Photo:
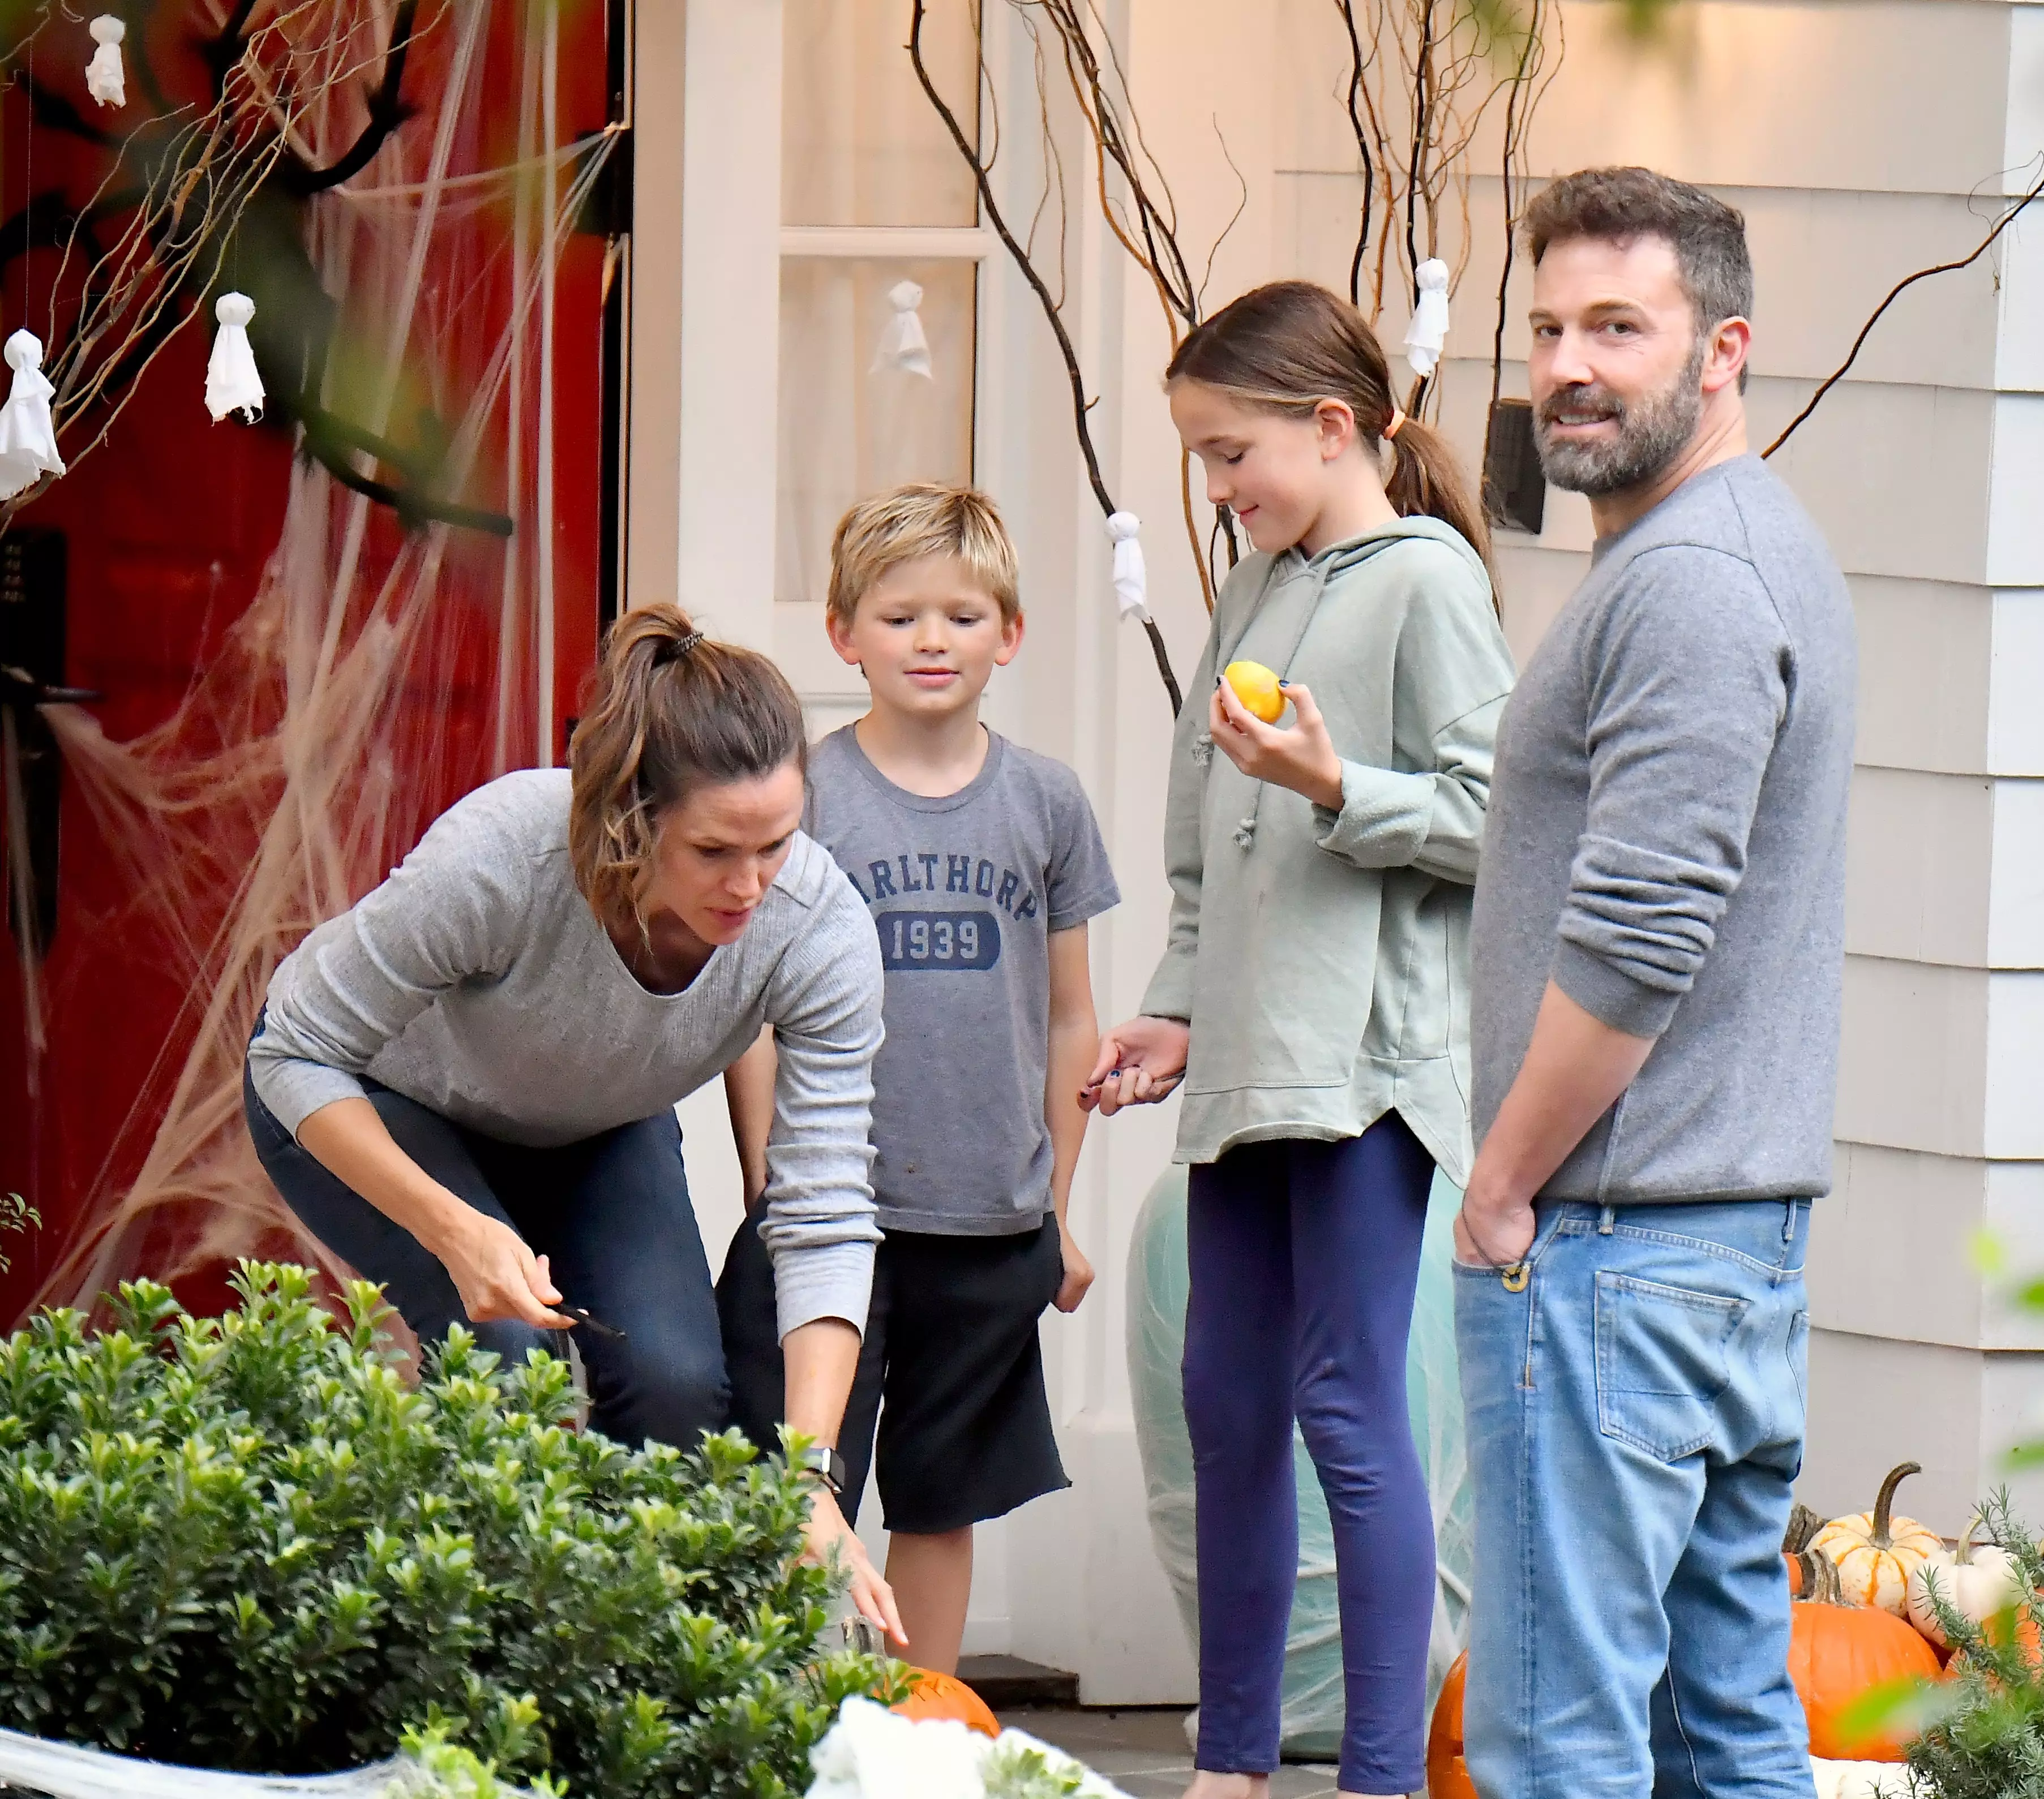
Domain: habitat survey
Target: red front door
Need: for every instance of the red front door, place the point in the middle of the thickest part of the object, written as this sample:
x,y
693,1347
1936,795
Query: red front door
x,y
309,634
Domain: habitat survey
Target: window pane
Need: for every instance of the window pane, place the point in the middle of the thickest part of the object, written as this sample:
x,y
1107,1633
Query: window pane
x,y
848,429
860,143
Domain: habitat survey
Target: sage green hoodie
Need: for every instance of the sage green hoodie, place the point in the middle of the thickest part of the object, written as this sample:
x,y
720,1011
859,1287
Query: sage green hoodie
x,y
1321,958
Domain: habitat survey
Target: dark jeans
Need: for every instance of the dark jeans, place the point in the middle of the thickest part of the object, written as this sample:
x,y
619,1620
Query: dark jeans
x,y
612,1213
1305,1259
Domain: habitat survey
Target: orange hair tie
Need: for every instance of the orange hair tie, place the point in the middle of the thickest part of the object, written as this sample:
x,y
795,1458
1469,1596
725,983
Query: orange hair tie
x,y
1397,420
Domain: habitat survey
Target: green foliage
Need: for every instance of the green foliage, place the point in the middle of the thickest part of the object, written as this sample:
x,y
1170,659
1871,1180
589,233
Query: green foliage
x,y
247,1543
1015,1772
17,1215
1982,1735
448,1771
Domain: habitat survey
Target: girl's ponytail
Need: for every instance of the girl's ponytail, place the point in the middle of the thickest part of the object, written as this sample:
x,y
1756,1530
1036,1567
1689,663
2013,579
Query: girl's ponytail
x,y
1292,344
667,710
1427,479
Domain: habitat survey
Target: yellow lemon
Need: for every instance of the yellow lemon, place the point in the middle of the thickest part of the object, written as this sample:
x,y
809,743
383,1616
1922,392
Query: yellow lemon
x,y
1256,687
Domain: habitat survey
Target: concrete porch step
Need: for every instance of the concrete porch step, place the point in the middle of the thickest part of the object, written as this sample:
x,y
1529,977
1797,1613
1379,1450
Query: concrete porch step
x,y
1006,1682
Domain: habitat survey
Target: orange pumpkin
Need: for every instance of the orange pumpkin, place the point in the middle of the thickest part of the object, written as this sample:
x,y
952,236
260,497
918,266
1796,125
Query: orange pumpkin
x,y
1839,1654
1996,1631
1447,1774
946,1695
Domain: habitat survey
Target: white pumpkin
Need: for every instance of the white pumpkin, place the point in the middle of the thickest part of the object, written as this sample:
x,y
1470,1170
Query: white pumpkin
x,y
1978,1581
1861,1779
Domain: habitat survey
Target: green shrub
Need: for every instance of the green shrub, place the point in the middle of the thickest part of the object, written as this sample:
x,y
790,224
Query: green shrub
x,y
445,1770
247,1543
1983,1734
17,1215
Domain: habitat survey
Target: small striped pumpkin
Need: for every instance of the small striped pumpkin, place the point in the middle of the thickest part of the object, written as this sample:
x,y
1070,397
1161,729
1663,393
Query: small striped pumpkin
x,y
1876,1552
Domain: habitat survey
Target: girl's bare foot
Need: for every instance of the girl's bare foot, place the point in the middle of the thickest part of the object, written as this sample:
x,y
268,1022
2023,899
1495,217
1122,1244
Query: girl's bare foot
x,y
1229,1787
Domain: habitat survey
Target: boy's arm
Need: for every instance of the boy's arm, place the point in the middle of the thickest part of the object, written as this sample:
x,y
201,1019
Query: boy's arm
x,y
748,1091
1074,1042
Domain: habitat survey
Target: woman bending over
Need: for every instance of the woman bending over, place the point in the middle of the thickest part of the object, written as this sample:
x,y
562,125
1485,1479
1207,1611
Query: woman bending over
x,y
464,1086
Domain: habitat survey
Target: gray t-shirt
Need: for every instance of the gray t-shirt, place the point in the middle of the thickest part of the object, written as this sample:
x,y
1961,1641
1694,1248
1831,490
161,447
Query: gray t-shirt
x,y
965,891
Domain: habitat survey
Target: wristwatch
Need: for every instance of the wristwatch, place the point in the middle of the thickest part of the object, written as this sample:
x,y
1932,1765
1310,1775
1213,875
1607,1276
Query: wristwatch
x,y
827,1465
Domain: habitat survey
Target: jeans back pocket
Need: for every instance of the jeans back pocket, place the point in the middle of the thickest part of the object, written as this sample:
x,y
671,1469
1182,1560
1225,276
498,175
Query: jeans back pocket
x,y
1662,1363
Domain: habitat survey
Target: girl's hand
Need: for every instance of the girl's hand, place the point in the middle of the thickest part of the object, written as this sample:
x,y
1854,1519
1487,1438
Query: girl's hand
x,y
827,1532
496,1273
1302,758
1139,1063
1078,1272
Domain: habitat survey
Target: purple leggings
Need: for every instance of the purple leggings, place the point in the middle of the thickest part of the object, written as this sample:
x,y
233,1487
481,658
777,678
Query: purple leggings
x,y
1305,1258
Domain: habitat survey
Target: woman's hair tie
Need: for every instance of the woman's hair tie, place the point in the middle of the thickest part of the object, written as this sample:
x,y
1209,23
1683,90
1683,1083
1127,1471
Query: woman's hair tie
x,y
675,648
1391,430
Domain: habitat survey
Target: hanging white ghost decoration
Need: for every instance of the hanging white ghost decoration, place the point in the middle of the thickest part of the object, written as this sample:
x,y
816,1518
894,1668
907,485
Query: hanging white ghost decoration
x,y
1428,332
232,383
1131,579
903,345
28,439
106,80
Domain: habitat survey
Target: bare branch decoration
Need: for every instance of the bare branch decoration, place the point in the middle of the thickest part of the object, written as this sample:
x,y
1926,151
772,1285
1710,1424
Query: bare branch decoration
x,y
1421,76
179,191
1051,306
2008,216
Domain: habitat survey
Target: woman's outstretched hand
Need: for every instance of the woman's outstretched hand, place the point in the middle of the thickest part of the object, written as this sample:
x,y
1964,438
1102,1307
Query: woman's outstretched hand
x,y
1301,758
828,1531
497,1274
1140,1062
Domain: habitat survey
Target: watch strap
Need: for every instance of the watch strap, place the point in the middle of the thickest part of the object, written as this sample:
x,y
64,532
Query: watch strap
x,y
828,1466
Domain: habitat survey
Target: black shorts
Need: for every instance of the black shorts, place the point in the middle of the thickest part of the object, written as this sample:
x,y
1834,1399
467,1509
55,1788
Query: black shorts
x,y
950,1369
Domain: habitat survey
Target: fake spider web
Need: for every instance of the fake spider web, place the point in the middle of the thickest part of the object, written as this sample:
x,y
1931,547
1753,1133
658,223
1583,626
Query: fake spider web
x,y
309,753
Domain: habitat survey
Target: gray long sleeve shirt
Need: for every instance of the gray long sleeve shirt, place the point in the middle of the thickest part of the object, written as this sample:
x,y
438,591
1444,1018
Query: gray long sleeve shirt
x,y
1666,841
477,981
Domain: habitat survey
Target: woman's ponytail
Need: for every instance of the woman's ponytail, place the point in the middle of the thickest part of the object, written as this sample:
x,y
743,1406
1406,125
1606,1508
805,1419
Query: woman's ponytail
x,y
667,710
1290,345
1426,479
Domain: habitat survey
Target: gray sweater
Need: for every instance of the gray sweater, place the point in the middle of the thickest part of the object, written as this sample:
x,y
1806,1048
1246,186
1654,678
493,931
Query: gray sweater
x,y
1667,840
477,981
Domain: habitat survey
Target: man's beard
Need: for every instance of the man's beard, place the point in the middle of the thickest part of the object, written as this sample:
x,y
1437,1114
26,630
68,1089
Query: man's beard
x,y
1652,431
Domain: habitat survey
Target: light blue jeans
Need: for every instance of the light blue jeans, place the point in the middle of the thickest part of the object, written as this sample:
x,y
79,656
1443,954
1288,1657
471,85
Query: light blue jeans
x,y
1635,1422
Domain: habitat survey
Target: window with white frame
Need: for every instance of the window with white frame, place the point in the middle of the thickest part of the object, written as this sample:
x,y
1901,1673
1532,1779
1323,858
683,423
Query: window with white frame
x,y
880,254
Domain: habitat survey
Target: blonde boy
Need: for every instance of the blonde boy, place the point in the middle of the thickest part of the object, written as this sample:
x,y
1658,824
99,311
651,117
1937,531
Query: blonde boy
x,y
980,863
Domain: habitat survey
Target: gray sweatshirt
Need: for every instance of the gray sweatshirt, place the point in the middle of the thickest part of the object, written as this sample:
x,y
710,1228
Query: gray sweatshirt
x,y
1321,956
477,981
1666,841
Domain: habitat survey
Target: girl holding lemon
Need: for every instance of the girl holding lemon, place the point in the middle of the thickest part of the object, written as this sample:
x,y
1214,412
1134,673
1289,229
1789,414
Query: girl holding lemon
x,y
1312,998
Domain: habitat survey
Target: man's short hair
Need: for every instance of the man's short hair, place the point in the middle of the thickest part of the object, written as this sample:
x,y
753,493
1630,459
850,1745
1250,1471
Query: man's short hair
x,y
921,519
1619,205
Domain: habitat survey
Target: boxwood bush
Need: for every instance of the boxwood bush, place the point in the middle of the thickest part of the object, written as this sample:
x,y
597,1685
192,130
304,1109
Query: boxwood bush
x,y
251,1543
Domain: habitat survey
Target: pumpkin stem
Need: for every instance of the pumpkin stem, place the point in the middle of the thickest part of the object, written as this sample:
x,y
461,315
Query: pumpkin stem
x,y
1883,1504
1803,1525
1820,1578
1963,1555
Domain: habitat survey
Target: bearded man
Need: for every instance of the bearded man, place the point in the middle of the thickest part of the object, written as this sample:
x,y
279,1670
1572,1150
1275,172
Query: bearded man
x,y
1657,948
